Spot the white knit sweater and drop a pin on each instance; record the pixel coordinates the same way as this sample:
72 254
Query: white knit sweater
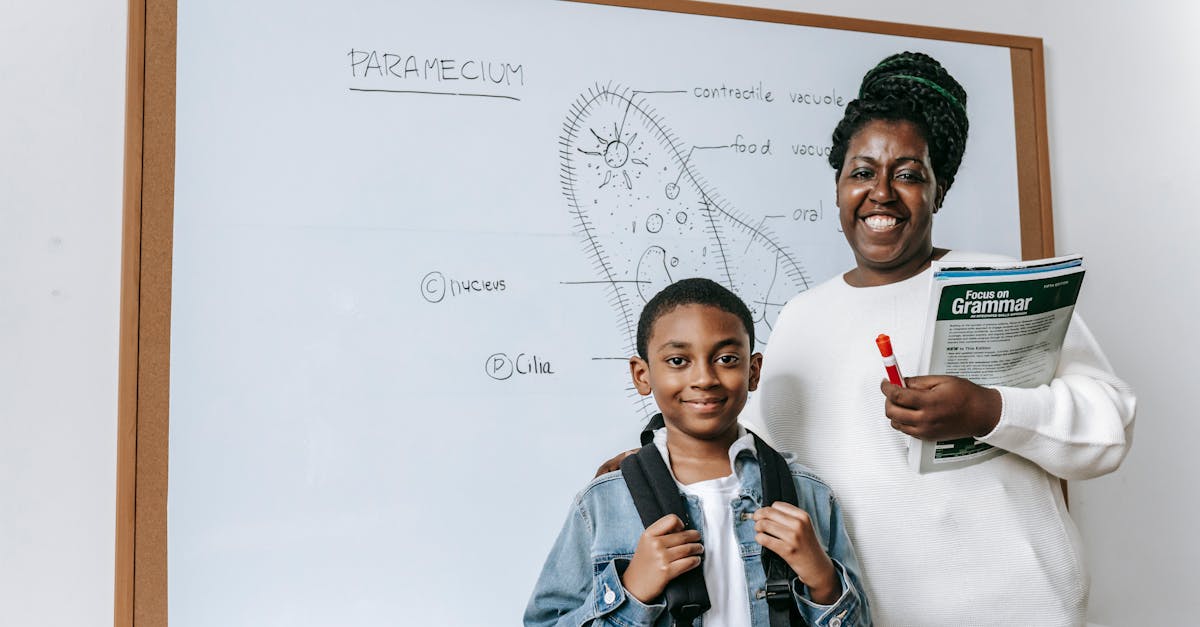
991 544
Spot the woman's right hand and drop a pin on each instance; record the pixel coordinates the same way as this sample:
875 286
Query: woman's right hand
665 551
941 407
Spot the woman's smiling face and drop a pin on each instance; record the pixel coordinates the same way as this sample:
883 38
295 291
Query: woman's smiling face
887 195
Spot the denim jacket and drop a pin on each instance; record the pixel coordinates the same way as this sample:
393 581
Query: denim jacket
580 583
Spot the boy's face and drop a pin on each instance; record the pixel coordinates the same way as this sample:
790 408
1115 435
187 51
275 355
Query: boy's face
700 369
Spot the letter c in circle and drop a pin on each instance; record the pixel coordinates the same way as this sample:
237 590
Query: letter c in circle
433 287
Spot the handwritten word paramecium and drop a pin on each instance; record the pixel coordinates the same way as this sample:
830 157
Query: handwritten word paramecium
391 65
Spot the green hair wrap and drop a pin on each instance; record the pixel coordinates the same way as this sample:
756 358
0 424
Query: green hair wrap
924 81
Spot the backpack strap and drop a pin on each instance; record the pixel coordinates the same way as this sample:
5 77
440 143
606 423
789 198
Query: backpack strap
777 486
656 422
655 495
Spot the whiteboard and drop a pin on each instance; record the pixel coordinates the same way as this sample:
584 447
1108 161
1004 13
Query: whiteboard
410 246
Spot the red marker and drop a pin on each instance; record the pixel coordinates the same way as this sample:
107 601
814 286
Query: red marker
889 359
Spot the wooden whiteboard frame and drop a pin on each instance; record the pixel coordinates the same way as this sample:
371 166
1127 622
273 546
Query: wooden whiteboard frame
147 232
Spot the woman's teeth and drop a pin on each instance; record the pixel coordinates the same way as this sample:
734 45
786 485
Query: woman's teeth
880 223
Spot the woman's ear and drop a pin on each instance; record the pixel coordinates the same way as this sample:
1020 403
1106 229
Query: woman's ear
939 197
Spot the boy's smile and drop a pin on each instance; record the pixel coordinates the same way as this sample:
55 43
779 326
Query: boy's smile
699 367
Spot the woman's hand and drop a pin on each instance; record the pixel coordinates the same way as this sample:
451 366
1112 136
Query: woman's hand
940 407
787 530
614 463
664 552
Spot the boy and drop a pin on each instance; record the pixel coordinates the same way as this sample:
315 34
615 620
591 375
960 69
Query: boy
694 342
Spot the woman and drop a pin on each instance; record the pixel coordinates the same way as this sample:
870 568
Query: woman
987 544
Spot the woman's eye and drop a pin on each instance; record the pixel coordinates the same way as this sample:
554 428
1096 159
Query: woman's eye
861 174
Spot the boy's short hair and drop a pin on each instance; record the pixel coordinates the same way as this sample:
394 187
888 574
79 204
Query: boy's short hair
694 291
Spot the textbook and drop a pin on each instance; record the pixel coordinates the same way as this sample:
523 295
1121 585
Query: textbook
997 324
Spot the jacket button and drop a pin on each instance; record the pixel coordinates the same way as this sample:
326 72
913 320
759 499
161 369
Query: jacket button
610 596
835 622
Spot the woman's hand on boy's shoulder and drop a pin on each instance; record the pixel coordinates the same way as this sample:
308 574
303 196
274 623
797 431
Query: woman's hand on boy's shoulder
615 462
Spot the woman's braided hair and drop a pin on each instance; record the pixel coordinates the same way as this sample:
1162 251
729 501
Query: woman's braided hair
913 87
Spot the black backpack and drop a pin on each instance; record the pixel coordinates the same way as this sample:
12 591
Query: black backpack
655 495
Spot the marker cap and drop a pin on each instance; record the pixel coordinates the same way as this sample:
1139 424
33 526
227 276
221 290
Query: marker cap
885 344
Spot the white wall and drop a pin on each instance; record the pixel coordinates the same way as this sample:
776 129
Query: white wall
1120 89
62 77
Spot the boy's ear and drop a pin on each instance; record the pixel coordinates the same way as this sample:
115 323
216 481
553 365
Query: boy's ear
755 370
640 371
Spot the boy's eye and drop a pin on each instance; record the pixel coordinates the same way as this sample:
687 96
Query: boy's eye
727 360
676 361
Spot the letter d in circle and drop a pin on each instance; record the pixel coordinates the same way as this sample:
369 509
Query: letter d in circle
498 366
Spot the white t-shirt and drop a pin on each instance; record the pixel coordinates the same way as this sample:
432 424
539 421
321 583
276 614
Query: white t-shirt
724 570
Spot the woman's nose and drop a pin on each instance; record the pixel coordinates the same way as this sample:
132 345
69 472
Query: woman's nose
881 191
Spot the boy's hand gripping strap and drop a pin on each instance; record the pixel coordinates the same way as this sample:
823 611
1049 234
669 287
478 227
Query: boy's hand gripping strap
777 486
655 495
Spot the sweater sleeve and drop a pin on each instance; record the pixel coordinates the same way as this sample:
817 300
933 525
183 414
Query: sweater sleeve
1079 426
